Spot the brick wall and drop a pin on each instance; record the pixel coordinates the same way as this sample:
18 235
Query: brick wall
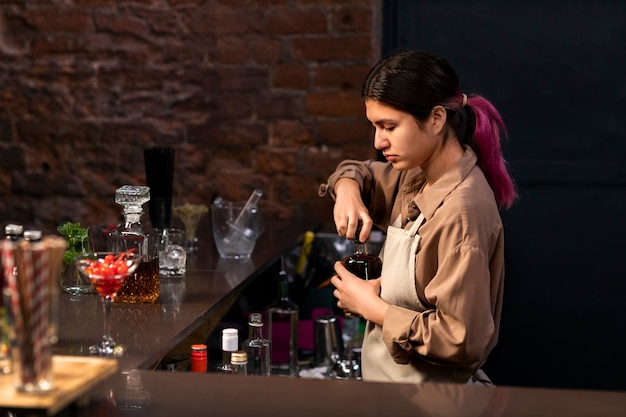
250 93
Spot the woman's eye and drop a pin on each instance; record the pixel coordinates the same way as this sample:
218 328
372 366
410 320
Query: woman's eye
389 128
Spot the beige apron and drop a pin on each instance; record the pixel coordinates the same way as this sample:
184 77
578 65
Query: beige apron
398 256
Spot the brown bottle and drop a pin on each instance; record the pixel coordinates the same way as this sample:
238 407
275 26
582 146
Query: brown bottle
363 265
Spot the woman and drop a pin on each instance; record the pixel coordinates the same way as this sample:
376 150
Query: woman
435 312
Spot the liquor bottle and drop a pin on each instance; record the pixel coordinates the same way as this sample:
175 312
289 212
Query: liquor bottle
363 265
257 348
198 358
283 331
239 363
143 285
230 344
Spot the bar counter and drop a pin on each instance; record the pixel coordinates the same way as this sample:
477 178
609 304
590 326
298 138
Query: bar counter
209 288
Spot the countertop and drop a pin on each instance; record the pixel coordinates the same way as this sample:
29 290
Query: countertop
210 285
150 331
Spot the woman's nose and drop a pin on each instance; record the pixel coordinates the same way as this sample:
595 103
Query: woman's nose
380 139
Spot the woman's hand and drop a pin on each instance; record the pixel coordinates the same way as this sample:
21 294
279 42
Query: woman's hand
358 295
349 211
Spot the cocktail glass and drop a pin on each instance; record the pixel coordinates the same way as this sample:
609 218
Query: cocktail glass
107 271
190 214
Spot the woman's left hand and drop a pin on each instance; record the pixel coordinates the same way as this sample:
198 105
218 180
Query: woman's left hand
358 295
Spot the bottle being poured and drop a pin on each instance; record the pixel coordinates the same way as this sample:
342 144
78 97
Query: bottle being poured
362 264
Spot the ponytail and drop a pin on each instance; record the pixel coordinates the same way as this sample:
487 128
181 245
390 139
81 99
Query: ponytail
488 131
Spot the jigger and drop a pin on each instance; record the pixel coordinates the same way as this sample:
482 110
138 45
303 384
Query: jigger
328 341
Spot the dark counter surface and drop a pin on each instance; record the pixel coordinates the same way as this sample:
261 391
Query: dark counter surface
210 286
150 331
189 394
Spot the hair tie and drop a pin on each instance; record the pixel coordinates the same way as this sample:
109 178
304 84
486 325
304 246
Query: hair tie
464 101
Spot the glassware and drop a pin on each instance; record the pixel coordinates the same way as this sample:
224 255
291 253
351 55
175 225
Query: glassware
363 265
107 283
230 343
143 285
191 214
78 241
172 254
257 347
236 227
283 331
239 363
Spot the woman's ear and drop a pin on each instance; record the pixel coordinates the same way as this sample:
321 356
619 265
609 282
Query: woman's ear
439 118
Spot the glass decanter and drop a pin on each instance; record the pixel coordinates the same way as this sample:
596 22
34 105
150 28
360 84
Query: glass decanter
143 285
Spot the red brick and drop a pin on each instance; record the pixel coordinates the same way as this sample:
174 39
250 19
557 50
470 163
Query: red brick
58 20
334 2
352 19
279 106
335 104
233 50
332 48
242 78
236 21
292 75
272 161
288 21
116 23
52 44
345 77
291 133
341 132
267 50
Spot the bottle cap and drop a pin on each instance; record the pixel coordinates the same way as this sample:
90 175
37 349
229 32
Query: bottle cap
13 229
239 357
32 235
230 339
255 319
198 347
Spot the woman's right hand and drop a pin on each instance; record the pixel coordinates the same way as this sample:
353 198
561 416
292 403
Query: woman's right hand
349 211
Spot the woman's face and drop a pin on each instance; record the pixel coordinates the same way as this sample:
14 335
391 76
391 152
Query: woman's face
403 142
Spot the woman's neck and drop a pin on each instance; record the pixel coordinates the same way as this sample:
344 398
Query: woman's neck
448 156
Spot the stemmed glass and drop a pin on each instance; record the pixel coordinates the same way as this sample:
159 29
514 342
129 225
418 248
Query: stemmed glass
107 271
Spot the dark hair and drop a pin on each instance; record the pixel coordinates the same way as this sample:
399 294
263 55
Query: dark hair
415 81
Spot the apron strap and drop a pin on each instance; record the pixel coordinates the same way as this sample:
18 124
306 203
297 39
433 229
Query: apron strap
416 225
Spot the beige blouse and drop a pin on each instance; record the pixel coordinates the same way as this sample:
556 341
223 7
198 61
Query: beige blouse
459 268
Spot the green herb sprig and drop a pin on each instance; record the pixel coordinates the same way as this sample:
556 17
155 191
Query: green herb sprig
77 239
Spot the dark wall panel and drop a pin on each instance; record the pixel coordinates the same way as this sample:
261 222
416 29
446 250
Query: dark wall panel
555 71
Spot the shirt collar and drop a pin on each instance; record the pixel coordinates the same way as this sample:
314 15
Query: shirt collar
431 199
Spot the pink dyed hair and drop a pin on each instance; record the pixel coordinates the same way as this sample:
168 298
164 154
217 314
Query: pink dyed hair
487 135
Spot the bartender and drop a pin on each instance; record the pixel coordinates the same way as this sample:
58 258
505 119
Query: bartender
434 313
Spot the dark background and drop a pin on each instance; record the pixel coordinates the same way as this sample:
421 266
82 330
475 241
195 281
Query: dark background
555 70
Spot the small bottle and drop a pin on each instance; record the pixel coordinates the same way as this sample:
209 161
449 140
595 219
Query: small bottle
230 344
143 285
283 331
363 265
239 362
198 359
257 347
